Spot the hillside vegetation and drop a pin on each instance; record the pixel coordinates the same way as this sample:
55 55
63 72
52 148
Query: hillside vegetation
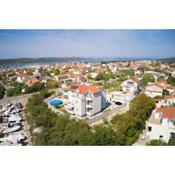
61 130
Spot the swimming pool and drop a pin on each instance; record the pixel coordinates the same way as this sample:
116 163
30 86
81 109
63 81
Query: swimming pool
56 102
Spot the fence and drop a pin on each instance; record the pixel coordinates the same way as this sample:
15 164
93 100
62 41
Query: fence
106 115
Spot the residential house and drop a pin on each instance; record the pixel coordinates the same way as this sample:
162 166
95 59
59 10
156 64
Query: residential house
32 81
161 124
22 77
132 85
154 90
170 89
63 78
168 100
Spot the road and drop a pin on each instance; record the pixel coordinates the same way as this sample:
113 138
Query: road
21 99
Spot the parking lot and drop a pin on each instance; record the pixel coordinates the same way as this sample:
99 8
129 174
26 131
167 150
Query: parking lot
14 129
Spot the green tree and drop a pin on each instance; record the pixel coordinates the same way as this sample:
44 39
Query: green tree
16 90
129 125
52 84
56 71
61 130
171 80
104 136
148 78
99 76
2 91
35 87
165 92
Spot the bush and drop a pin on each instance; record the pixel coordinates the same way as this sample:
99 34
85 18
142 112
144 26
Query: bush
172 140
156 143
130 124
61 130
16 90
171 80
35 87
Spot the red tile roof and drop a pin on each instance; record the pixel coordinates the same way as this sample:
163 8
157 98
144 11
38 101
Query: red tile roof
160 86
169 96
167 112
170 87
136 79
22 75
32 81
84 88
163 86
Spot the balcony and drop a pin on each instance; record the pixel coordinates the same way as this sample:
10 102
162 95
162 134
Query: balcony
89 99
88 106
89 113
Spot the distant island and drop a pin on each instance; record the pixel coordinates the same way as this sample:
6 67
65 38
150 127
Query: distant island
171 59
36 60
17 62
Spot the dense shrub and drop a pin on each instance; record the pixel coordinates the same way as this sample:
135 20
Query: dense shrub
130 124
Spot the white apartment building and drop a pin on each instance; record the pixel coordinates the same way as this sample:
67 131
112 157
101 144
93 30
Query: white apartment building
161 124
85 100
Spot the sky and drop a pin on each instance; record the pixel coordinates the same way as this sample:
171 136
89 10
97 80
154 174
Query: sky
87 43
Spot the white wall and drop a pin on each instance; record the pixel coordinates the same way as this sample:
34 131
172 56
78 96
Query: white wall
152 94
103 99
129 88
80 106
153 91
96 103
79 102
159 130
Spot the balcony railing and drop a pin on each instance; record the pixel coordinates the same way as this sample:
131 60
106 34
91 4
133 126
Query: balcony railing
89 113
89 99
89 106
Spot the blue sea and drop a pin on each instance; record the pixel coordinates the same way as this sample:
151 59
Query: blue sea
92 60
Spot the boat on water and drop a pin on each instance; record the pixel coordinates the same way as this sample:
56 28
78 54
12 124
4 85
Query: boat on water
12 129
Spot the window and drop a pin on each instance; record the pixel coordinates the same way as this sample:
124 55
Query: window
149 128
160 137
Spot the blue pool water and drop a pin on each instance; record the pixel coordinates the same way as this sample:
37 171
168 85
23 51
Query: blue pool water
56 101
